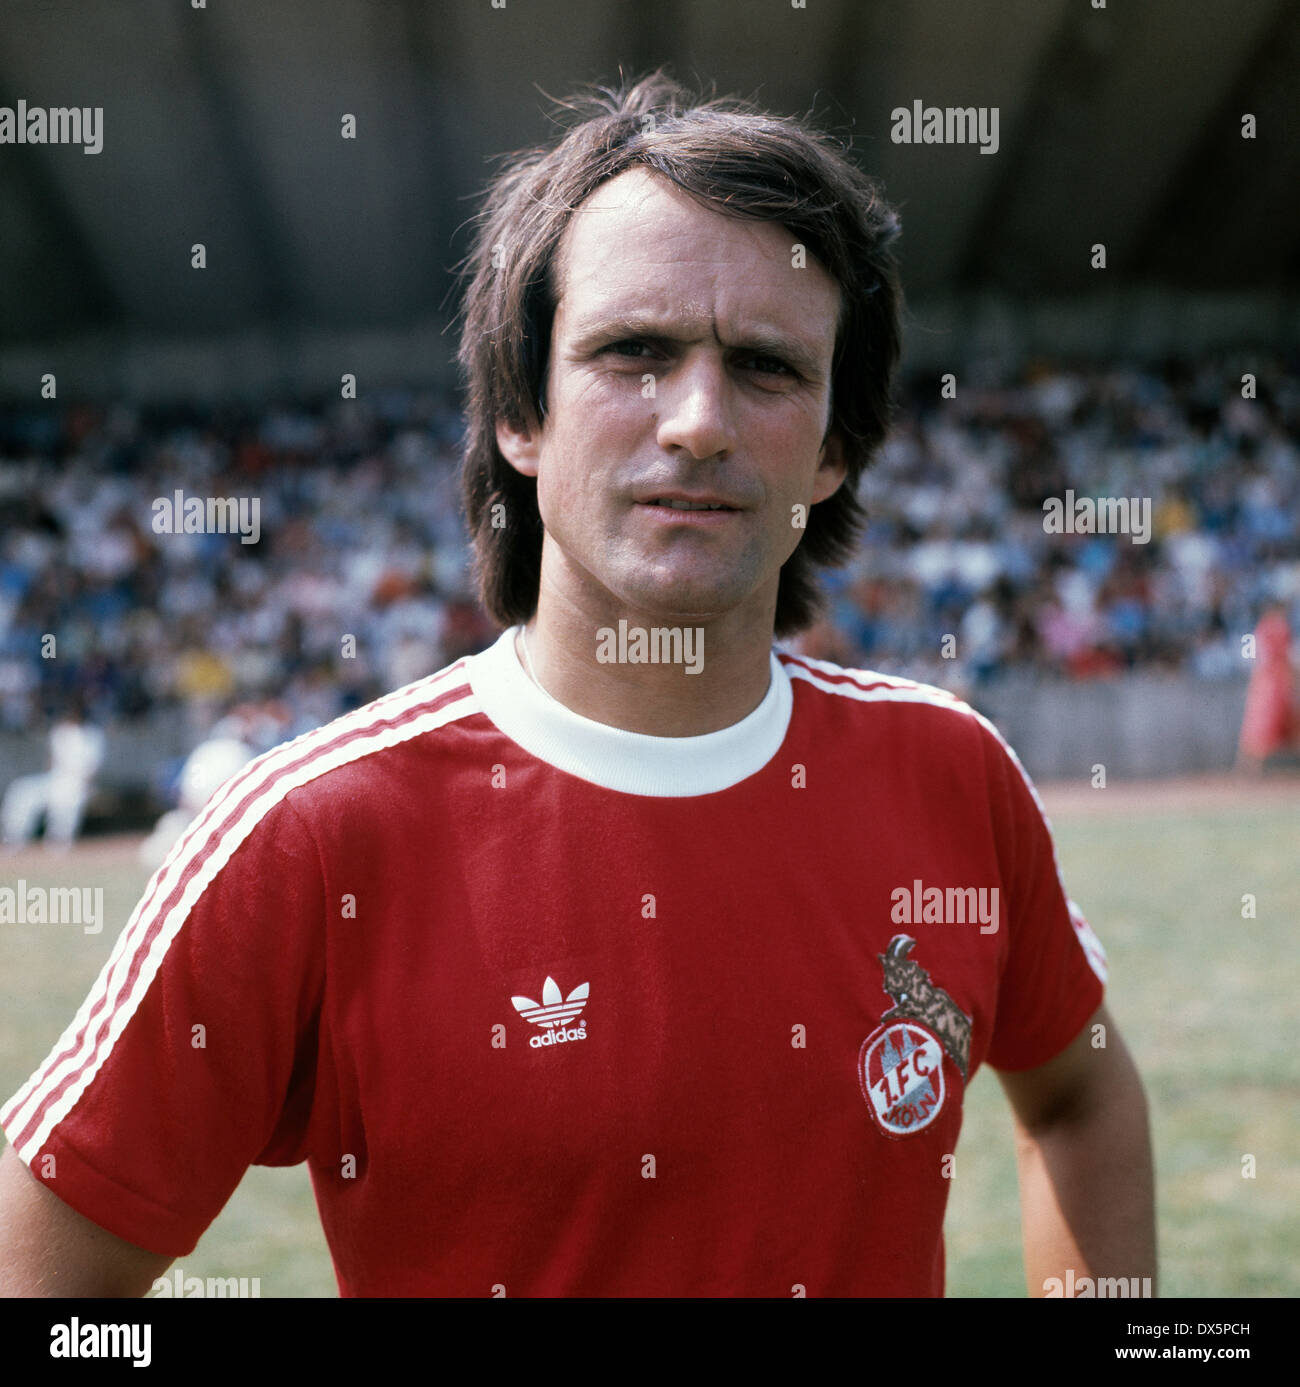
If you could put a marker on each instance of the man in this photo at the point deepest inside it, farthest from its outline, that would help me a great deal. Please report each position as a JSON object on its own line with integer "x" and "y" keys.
{"x": 609, "y": 961}
{"x": 61, "y": 793}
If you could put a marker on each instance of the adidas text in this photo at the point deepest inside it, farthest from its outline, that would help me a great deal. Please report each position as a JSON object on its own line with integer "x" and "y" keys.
{"x": 558, "y": 1036}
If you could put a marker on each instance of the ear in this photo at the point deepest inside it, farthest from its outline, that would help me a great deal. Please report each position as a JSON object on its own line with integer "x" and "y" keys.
{"x": 520, "y": 447}
{"x": 831, "y": 468}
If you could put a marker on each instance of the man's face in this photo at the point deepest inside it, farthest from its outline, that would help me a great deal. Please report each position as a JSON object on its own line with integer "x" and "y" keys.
{"x": 739, "y": 345}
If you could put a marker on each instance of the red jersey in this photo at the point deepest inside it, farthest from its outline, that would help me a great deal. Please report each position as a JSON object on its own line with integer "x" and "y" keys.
{"x": 551, "y": 1008}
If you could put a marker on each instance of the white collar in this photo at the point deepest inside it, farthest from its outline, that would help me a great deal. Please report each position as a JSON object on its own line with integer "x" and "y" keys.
{"x": 630, "y": 762}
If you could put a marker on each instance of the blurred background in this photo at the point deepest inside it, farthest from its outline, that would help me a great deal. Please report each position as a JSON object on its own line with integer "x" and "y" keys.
{"x": 126, "y": 374}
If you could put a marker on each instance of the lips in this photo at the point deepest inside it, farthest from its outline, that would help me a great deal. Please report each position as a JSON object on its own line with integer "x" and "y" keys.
{"x": 690, "y": 505}
{"x": 676, "y": 500}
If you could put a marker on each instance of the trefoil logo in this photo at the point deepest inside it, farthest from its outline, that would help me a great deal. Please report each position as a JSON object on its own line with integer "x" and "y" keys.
{"x": 553, "y": 1014}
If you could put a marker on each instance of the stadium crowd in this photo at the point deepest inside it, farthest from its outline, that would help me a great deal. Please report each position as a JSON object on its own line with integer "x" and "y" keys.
{"x": 361, "y": 538}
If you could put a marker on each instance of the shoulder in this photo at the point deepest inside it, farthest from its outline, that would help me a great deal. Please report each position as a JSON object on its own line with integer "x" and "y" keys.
{"x": 322, "y": 772}
{"x": 919, "y": 731}
{"x": 867, "y": 696}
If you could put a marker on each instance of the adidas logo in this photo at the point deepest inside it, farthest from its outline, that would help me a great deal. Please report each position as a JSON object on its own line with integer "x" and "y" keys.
{"x": 553, "y": 1013}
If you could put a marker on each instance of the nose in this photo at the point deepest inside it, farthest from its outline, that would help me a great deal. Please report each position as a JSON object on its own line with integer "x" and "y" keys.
{"x": 695, "y": 410}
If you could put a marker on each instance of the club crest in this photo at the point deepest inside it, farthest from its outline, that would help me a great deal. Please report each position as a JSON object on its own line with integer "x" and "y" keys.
{"x": 900, "y": 1065}
{"x": 901, "y": 1070}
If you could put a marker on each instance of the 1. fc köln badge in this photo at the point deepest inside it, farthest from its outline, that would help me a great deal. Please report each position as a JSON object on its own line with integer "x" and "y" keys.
{"x": 900, "y": 1065}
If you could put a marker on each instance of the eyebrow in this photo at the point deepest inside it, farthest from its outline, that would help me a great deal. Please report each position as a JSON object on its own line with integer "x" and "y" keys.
{"x": 760, "y": 341}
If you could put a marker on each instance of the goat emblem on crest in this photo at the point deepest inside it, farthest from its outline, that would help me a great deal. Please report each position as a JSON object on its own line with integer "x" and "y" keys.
{"x": 915, "y": 996}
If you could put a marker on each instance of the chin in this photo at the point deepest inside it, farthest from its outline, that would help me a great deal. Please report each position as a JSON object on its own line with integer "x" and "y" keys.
{"x": 671, "y": 592}
{"x": 680, "y": 603}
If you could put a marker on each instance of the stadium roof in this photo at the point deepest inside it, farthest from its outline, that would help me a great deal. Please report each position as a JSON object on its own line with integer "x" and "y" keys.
{"x": 221, "y": 125}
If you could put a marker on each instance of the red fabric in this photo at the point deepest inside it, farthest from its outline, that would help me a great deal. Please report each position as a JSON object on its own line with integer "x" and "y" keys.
{"x": 354, "y": 961}
{"x": 1270, "y": 721}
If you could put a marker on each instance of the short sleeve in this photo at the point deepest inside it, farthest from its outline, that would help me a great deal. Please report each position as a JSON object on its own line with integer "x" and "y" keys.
{"x": 1053, "y": 968}
{"x": 194, "y": 1054}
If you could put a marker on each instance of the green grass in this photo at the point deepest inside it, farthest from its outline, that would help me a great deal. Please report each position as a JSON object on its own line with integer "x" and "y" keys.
{"x": 1205, "y": 1001}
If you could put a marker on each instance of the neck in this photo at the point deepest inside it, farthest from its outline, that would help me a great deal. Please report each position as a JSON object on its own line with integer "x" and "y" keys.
{"x": 718, "y": 670}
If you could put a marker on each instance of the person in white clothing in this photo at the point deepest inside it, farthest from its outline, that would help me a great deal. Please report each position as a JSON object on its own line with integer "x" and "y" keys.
{"x": 61, "y": 793}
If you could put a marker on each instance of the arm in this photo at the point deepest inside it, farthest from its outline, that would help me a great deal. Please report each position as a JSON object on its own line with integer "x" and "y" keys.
{"x": 48, "y": 1249}
{"x": 155, "y": 1129}
{"x": 1083, "y": 1148}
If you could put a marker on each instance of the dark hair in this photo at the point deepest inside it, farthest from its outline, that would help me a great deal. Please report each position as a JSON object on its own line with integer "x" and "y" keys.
{"x": 739, "y": 160}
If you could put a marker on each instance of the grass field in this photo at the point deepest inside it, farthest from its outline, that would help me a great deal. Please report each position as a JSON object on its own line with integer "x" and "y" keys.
{"x": 1205, "y": 999}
